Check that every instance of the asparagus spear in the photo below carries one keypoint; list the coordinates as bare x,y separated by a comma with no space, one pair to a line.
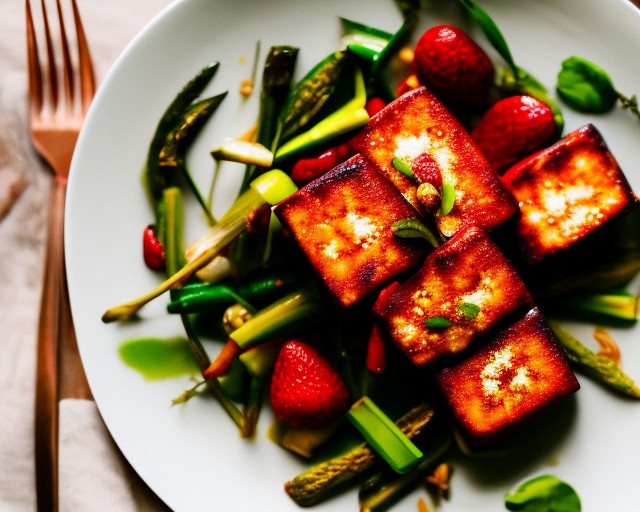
312,485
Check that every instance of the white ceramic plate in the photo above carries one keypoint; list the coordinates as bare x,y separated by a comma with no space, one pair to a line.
191,455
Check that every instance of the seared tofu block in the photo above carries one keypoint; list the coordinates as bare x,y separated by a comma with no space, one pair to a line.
464,287
417,128
504,383
566,192
342,222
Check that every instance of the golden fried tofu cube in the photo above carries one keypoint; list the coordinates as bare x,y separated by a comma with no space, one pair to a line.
418,125
508,381
566,192
464,287
342,222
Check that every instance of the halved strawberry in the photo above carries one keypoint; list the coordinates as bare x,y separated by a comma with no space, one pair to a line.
306,392
453,66
512,129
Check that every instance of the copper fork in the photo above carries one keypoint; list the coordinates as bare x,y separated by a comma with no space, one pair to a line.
57,110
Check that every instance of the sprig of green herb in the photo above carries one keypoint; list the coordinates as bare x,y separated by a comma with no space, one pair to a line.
587,87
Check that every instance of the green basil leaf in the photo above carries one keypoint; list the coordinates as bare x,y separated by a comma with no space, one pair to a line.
585,86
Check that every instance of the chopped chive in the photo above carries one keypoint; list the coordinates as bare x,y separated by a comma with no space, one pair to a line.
384,436
437,322
448,198
403,167
469,310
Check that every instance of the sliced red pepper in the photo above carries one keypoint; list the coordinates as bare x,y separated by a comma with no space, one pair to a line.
374,105
152,249
409,83
376,354
384,294
307,169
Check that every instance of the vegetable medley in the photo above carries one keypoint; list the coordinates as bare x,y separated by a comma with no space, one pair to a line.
392,273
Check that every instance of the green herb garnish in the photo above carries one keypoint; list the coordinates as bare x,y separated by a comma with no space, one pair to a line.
587,87
437,322
403,167
469,310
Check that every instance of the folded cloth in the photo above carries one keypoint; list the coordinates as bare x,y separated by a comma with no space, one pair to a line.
92,473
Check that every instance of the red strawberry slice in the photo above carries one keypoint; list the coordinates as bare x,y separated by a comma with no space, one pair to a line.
513,128
449,63
306,392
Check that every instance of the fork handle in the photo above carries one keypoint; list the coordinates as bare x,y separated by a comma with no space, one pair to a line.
46,413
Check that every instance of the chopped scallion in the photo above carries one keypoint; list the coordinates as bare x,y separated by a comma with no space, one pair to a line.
384,436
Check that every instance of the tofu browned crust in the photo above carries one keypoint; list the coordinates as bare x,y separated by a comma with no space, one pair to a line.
418,122
508,381
342,222
467,282
566,192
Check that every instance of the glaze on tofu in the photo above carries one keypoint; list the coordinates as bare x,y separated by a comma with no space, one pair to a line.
342,222
417,123
468,283
566,192
506,382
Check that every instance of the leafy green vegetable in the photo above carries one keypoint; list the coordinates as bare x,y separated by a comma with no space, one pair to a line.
543,493
585,86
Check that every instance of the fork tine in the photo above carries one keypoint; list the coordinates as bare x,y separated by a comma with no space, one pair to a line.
35,71
67,69
51,61
87,76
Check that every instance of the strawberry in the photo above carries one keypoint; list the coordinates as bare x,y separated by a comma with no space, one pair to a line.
513,128
453,66
306,392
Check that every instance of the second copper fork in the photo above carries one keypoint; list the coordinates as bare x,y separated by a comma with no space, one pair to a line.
59,97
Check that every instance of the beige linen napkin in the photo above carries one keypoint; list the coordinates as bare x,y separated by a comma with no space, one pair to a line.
94,475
